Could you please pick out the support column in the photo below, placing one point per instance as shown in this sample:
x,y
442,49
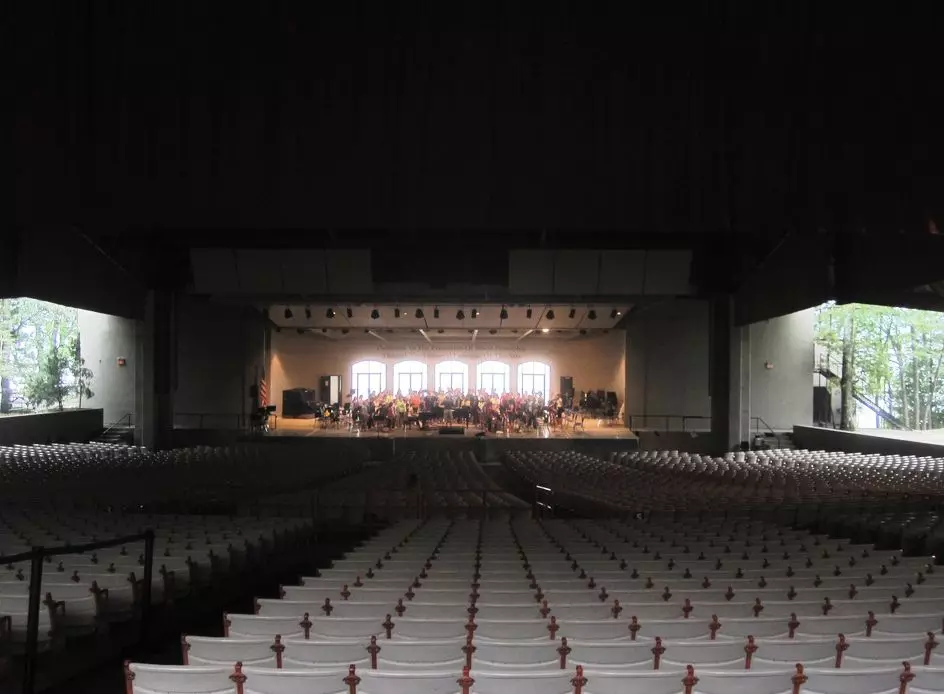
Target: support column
x,y
156,377
730,379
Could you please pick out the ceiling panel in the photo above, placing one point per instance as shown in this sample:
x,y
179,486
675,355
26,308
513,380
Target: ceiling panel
x,y
348,272
622,273
303,272
530,272
576,273
259,271
668,273
214,270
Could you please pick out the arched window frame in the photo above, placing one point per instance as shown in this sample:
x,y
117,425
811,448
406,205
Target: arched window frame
x,y
493,376
409,376
451,375
368,376
534,377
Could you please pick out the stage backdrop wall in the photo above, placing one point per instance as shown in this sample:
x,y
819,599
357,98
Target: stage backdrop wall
x,y
299,361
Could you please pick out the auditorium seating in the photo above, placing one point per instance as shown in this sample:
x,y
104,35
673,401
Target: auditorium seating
x,y
520,605
75,494
444,482
672,481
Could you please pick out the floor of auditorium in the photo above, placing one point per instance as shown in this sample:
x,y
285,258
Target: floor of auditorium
x,y
593,429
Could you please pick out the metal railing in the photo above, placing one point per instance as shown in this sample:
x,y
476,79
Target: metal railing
x,y
37,558
120,422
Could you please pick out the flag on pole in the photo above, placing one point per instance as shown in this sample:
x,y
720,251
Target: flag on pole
x,y
263,393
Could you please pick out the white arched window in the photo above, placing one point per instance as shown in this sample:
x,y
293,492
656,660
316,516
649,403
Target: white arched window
x,y
493,377
534,377
452,375
368,377
409,377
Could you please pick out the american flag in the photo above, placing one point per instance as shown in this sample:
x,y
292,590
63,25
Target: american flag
x,y
263,393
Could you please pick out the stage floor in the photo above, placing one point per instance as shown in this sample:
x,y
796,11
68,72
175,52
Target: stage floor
x,y
595,429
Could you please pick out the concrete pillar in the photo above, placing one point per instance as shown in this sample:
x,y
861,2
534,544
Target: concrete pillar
x,y
156,373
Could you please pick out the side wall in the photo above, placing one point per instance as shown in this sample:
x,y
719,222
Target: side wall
x,y
667,352
105,340
781,364
299,361
220,354
667,367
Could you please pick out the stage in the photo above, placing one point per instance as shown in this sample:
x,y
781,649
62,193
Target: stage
x,y
597,439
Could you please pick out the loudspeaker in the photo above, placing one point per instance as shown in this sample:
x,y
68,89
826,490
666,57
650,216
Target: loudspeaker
x,y
451,431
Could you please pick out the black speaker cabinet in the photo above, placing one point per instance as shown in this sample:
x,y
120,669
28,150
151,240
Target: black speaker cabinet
x,y
451,431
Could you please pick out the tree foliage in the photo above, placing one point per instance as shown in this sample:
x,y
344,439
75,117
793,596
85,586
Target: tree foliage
x,y
897,357
40,356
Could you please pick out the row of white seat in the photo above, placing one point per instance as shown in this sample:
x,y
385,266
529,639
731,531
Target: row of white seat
x,y
148,679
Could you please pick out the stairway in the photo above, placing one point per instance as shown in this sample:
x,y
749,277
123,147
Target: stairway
x,y
825,370
117,434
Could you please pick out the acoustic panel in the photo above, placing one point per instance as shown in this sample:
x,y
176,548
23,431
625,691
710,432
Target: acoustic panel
x,y
259,271
668,273
214,270
621,273
530,272
576,273
349,272
304,272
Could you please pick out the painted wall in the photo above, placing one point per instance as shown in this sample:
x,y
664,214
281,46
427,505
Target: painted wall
x,y
220,354
667,360
298,361
105,340
781,364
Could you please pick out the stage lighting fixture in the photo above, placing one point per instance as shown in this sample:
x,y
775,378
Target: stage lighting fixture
x,y
545,330
614,313
440,331
299,331
288,313
328,314
591,314
550,314
529,312
344,331
460,314
504,313
375,314
475,313
308,312
396,313
350,313
573,312
419,313
493,332
436,312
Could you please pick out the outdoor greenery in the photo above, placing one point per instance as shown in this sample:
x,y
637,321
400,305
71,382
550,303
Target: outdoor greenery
x,y
41,363
894,357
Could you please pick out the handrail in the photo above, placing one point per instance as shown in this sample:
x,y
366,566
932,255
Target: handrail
x,y
37,556
758,420
117,423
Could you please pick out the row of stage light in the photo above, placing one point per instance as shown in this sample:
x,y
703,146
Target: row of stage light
x,y
460,314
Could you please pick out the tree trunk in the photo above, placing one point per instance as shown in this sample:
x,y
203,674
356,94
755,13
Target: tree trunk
x,y
915,381
847,403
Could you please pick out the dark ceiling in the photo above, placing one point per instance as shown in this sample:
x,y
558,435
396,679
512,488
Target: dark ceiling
x,y
735,117
765,136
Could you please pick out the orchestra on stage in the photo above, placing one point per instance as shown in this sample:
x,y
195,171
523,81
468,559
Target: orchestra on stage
x,y
489,412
